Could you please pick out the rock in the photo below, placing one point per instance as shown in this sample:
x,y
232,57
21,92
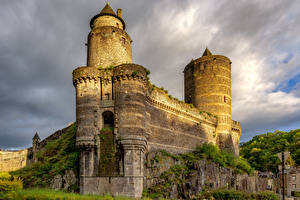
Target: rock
x,y
69,179
57,182
65,181
174,192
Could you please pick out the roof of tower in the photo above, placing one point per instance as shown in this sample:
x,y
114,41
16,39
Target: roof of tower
x,y
207,52
107,10
36,136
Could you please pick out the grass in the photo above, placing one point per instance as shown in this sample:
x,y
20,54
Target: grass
x,y
47,194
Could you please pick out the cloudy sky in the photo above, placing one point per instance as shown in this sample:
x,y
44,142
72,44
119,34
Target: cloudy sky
x,y
41,42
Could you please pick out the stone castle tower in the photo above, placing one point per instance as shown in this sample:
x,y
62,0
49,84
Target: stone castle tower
x,y
121,117
207,85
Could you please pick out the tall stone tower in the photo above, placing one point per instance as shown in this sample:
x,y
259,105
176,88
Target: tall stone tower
x,y
110,111
35,146
207,85
108,43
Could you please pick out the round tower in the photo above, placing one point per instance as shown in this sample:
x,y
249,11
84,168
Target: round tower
x,y
108,42
208,86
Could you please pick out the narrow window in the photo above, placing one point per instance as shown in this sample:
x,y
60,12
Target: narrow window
x,y
124,40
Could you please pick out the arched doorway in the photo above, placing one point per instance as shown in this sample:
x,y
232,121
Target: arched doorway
x,y
108,119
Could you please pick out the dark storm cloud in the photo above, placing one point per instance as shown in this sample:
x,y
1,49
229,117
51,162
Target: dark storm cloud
x,y
41,42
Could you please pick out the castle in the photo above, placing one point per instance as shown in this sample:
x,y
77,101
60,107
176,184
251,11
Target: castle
x,y
121,116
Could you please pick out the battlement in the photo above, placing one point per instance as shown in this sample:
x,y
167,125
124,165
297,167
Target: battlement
x,y
118,73
236,126
158,97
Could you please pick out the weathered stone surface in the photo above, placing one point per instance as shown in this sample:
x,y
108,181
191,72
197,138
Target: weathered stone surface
x,y
64,181
205,174
57,182
69,179
13,160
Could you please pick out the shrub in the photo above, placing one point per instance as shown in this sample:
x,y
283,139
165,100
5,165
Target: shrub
x,y
267,195
4,176
11,184
229,194
243,166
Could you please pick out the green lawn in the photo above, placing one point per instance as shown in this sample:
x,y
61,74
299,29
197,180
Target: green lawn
x,y
45,194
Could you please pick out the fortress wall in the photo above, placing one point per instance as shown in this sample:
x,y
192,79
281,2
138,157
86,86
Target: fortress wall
x,y
175,126
12,160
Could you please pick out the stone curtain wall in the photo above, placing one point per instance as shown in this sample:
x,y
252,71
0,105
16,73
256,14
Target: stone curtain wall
x,y
12,160
176,126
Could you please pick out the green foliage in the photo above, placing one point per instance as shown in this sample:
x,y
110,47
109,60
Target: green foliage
x,y
191,105
222,194
208,113
261,151
229,194
109,129
266,195
9,183
5,176
47,194
296,194
148,72
106,68
135,73
57,157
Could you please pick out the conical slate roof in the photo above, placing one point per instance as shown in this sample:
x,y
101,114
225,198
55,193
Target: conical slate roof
x,y
107,10
36,136
207,52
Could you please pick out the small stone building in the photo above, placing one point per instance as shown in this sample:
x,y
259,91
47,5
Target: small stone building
x,y
121,116
292,181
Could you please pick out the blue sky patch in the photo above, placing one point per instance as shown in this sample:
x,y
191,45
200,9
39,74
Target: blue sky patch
x,y
289,85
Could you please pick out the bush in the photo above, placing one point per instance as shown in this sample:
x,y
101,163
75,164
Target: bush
x,y
222,194
229,194
267,195
5,176
8,183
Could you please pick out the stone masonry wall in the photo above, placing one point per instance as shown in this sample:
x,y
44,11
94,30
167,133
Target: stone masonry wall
x,y
176,126
12,160
108,43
